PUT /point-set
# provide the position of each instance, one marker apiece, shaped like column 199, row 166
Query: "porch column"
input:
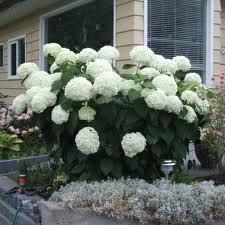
column 129, row 27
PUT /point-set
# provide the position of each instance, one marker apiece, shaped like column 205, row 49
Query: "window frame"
column 43, row 26
column 2, row 44
column 10, row 43
column 209, row 38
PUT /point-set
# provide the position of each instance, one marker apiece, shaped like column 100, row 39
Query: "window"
column 81, row 25
column 1, row 56
column 178, row 27
column 16, row 55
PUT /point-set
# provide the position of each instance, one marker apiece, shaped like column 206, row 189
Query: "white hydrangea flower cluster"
column 52, row 49
column 142, row 55
column 79, row 89
column 87, row 55
column 149, row 72
column 156, row 99
column 107, row 84
column 166, row 84
column 168, row 66
column 109, row 53
column 50, row 79
column 191, row 115
column 87, row 140
column 42, row 100
column 190, row 97
column 35, row 79
column 157, row 62
column 66, row 57
column 30, row 93
column 183, row 63
column 98, row 66
column 128, row 85
column 19, row 104
column 173, row 105
column 202, row 107
column 59, row 115
column 26, row 69
column 53, row 67
column 86, row 113
column 133, row 143
column 193, row 78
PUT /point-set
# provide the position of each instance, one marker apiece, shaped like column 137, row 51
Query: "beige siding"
column 28, row 26
column 129, row 27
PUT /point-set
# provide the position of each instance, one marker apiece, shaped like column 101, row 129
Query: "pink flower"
column 17, row 131
column 24, row 132
column 30, row 112
column 212, row 78
column 221, row 82
column 27, row 117
column 30, row 130
column 3, row 110
column 220, row 134
column 11, row 128
column 221, row 77
column 19, row 118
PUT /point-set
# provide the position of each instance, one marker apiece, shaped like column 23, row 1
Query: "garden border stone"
column 7, row 166
column 53, row 214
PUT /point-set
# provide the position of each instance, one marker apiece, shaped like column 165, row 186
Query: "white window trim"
column 10, row 42
column 209, row 37
column 42, row 25
column 2, row 44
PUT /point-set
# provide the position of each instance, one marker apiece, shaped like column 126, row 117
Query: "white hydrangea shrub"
column 79, row 89
column 52, row 49
column 87, row 140
column 19, row 104
column 98, row 66
column 66, row 57
column 87, row 55
column 191, row 115
column 183, row 63
column 30, row 93
column 26, row 69
column 142, row 55
column 107, row 84
column 42, row 100
column 35, row 79
column 86, row 113
column 133, row 143
column 190, row 97
column 109, row 53
column 166, row 84
column 127, row 85
column 59, row 115
column 173, row 105
column 156, row 99
column 193, row 78
column 149, row 72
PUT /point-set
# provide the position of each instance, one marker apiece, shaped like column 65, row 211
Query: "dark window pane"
column 1, row 55
column 13, row 59
column 88, row 25
column 21, row 51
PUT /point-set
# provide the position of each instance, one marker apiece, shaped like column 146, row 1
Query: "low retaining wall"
column 53, row 214
column 7, row 166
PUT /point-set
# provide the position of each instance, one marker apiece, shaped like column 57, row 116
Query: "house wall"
column 129, row 33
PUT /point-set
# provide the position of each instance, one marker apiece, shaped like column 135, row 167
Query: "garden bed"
column 7, row 166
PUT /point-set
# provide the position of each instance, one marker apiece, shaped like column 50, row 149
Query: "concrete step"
column 4, row 220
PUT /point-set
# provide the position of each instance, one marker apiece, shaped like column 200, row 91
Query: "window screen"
column 178, row 27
